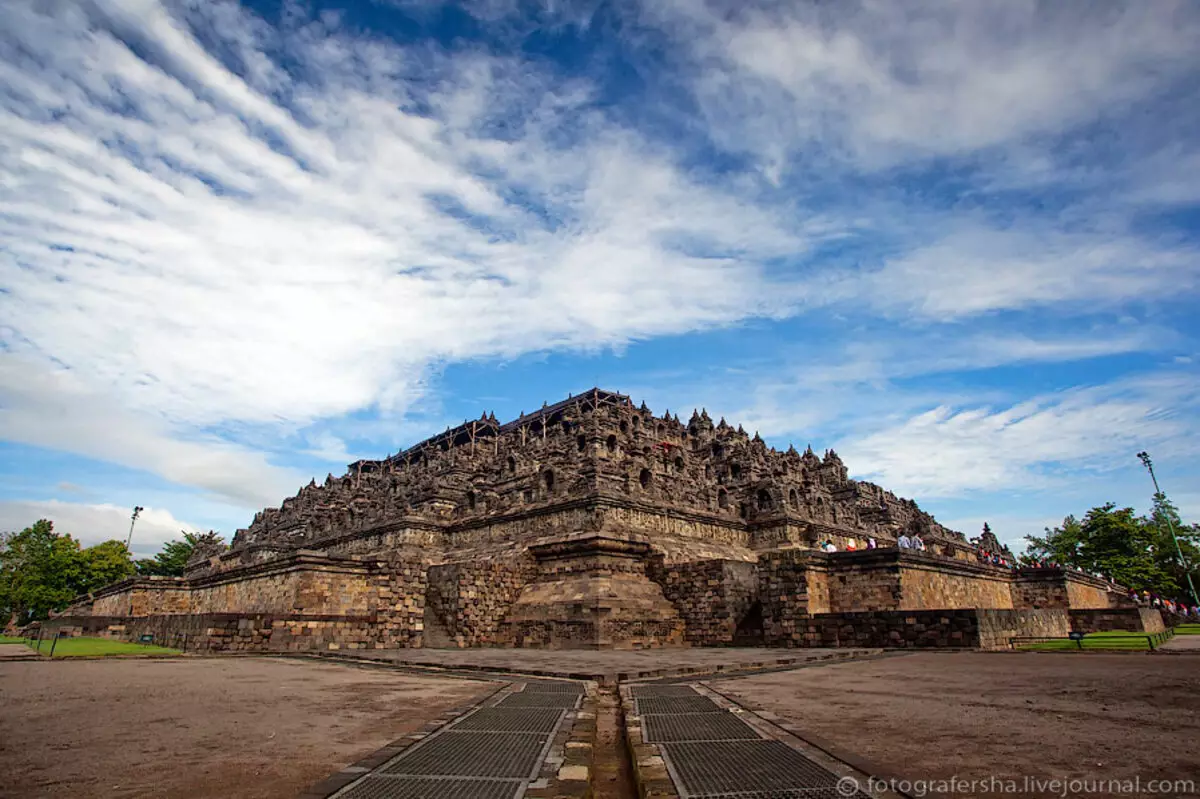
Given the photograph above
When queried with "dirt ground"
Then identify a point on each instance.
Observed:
(201, 728)
(977, 715)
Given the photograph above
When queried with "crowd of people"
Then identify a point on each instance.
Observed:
(996, 559)
(1180, 608)
(852, 545)
(905, 541)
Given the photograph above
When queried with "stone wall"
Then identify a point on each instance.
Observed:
(1088, 592)
(392, 592)
(864, 581)
(1103, 620)
(996, 627)
(142, 597)
(1059, 588)
(397, 601)
(235, 632)
(592, 591)
(470, 600)
(906, 629)
(713, 597)
(894, 579)
(893, 629)
(932, 582)
(791, 583)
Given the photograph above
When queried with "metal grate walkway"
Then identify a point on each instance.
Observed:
(490, 753)
(713, 754)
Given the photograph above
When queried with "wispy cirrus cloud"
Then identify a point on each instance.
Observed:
(240, 241)
(881, 83)
(1047, 440)
(213, 246)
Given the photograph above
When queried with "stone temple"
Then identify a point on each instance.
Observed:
(592, 523)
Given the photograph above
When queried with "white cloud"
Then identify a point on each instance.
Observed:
(197, 249)
(196, 252)
(980, 271)
(805, 393)
(949, 451)
(880, 83)
(54, 408)
(92, 524)
(1009, 529)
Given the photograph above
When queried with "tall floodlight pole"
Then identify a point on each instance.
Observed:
(1187, 569)
(132, 521)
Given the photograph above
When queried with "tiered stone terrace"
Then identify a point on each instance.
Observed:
(591, 523)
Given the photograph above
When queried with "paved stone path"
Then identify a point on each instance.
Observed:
(509, 747)
(1182, 643)
(16, 652)
(607, 665)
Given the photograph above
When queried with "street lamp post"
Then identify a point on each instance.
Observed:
(132, 521)
(1187, 570)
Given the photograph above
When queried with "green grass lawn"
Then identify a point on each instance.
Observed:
(97, 647)
(1110, 641)
(4, 639)
(1188, 629)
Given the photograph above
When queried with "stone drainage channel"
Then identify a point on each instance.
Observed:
(539, 740)
(500, 750)
(685, 744)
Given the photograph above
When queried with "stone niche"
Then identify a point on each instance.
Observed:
(592, 592)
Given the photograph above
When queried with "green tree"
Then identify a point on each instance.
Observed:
(1137, 552)
(105, 563)
(42, 571)
(174, 556)
(1164, 517)
(1060, 545)
(1117, 543)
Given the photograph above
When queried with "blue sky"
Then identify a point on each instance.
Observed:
(244, 244)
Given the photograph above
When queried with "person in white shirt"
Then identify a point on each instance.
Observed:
(829, 546)
(871, 543)
(904, 542)
(917, 543)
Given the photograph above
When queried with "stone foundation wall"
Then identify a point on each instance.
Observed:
(1103, 620)
(470, 600)
(791, 583)
(996, 627)
(711, 596)
(893, 579)
(1086, 592)
(930, 582)
(906, 629)
(608, 634)
(397, 601)
(1058, 588)
(864, 582)
(231, 632)
(141, 597)
(891, 629)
